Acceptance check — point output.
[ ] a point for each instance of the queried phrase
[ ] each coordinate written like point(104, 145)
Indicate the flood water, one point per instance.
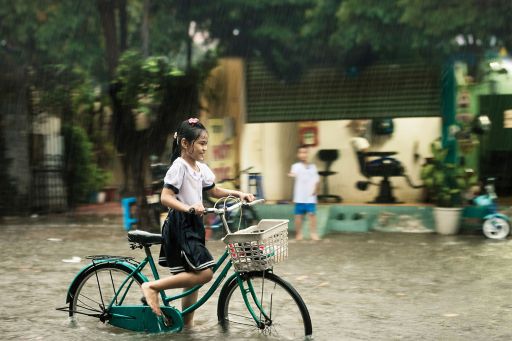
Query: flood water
point(375, 286)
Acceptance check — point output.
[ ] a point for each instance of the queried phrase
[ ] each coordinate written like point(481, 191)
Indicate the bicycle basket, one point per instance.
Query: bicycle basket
point(258, 247)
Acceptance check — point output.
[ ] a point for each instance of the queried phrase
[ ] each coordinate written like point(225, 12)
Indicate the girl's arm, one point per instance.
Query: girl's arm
point(219, 192)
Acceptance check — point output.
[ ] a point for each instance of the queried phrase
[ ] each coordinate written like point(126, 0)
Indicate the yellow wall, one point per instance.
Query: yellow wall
point(270, 148)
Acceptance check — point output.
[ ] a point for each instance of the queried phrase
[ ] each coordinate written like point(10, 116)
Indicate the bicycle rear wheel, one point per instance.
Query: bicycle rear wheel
point(94, 289)
point(287, 316)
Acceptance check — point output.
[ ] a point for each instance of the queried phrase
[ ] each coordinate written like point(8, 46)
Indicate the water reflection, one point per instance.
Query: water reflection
point(357, 286)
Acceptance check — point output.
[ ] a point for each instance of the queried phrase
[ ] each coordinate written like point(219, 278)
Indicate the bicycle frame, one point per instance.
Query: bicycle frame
point(140, 317)
point(119, 318)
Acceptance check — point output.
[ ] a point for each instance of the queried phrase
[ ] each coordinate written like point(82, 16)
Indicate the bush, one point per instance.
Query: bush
point(83, 176)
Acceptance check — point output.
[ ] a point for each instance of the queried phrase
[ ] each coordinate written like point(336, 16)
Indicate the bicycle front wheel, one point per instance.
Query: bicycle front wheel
point(278, 307)
point(94, 289)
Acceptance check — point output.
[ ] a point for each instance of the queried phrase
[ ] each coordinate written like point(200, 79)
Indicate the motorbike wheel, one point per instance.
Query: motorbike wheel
point(496, 228)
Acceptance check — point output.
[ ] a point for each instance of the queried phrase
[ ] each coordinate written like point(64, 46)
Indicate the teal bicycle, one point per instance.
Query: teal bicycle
point(253, 298)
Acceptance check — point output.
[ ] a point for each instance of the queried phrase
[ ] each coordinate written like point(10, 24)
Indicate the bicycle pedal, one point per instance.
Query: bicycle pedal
point(167, 321)
point(144, 301)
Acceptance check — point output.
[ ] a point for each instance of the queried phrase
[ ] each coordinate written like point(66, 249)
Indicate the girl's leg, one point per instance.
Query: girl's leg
point(181, 280)
point(186, 302)
point(312, 226)
point(298, 227)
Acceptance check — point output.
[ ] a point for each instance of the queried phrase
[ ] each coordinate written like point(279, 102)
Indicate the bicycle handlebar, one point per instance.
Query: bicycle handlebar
point(233, 207)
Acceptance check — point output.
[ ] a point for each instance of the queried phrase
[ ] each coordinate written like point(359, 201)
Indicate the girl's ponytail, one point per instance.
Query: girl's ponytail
point(176, 149)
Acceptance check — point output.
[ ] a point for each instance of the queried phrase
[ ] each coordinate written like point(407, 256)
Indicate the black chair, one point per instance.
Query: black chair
point(382, 166)
point(328, 156)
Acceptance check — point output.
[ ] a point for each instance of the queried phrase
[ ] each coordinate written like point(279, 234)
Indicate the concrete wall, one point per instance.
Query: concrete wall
point(270, 148)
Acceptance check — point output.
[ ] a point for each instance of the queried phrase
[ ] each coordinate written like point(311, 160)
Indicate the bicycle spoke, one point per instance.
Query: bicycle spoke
point(241, 316)
point(271, 300)
point(113, 285)
point(243, 324)
point(86, 306)
point(97, 289)
point(90, 299)
point(81, 313)
point(261, 295)
point(282, 313)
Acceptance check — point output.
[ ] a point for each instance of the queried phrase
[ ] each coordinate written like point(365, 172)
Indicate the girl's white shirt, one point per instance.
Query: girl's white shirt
point(189, 182)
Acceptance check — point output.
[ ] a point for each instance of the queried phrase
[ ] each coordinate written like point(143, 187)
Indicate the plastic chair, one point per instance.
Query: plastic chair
point(128, 220)
point(256, 185)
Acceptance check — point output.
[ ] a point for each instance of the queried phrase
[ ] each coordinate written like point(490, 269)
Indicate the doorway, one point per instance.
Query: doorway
point(496, 145)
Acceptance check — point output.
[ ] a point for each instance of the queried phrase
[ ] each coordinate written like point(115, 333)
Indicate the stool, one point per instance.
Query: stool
point(328, 156)
point(255, 185)
point(128, 220)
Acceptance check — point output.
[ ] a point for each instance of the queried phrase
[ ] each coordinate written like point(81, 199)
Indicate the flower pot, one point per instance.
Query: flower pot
point(447, 219)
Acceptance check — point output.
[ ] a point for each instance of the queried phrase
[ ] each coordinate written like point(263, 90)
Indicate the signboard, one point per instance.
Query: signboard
point(308, 133)
point(221, 145)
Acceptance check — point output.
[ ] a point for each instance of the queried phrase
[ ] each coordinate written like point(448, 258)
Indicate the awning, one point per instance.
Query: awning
point(390, 91)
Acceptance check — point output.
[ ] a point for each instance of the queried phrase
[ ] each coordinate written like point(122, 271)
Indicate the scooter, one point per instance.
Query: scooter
point(495, 225)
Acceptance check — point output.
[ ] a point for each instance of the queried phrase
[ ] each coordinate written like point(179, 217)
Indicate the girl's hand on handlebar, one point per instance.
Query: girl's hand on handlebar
point(198, 209)
point(247, 196)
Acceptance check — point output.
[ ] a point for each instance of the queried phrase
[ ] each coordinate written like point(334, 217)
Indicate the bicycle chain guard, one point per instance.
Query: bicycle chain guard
point(142, 319)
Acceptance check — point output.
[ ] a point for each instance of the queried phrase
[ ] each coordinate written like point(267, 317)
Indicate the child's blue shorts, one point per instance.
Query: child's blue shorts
point(305, 208)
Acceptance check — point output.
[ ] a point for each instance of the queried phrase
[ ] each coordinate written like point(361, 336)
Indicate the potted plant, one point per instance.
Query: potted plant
point(446, 183)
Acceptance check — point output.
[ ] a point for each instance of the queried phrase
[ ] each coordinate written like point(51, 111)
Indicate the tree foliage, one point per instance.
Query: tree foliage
point(83, 175)
point(267, 29)
point(75, 47)
point(362, 31)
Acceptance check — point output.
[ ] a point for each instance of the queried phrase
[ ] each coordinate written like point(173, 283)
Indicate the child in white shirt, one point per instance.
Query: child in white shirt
point(305, 192)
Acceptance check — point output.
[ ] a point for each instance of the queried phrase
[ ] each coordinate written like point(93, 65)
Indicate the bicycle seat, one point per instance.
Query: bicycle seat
point(144, 238)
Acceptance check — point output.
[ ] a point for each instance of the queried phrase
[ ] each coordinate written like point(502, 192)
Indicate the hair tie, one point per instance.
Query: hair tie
point(193, 121)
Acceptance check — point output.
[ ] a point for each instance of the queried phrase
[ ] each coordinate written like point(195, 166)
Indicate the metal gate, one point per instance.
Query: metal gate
point(49, 190)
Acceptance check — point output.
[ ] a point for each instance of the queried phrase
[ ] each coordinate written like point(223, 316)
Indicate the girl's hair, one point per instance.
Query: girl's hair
point(189, 130)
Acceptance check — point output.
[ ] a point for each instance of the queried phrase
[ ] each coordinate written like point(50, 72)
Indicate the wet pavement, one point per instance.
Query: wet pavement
point(373, 286)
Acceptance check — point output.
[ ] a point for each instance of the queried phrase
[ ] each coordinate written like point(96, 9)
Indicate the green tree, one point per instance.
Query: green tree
point(149, 98)
point(267, 29)
point(464, 29)
point(359, 32)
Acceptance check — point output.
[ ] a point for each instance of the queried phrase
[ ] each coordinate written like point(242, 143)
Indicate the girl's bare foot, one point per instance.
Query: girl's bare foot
point(314, 236)
point(298, 236)
point(151, 296)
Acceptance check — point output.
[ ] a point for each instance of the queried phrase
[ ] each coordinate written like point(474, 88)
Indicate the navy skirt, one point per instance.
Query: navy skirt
point(183, 247)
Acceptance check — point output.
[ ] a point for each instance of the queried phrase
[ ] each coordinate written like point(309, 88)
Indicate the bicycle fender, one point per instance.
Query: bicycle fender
point(497, 215)
point(76, 280)
point(225, 287)
point(232, 278)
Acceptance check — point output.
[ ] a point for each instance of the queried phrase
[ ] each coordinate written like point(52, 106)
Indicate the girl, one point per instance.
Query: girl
point(183, 248)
